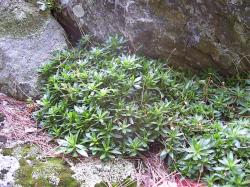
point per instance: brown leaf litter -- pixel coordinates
(18, 125)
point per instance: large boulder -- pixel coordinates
(27, 39)
(195, 33)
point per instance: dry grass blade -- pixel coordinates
(152, 172)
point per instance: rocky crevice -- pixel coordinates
(205, 34)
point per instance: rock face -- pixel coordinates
(93, 172)
(25, 165)
(196, 33)
(8, 167)
(27, 39)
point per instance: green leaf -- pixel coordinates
(163, 154)
(82, 152)
(60, 150)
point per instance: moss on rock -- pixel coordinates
(17, 21)
(7, 152)
(36, 170)
(51, 172)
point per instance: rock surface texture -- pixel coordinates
(8, 167)
(196, 33)
(27, 39)
(25, 165)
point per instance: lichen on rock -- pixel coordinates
(93, 172)
(8, 167)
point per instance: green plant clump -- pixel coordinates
(114, 103)
(47, 5)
